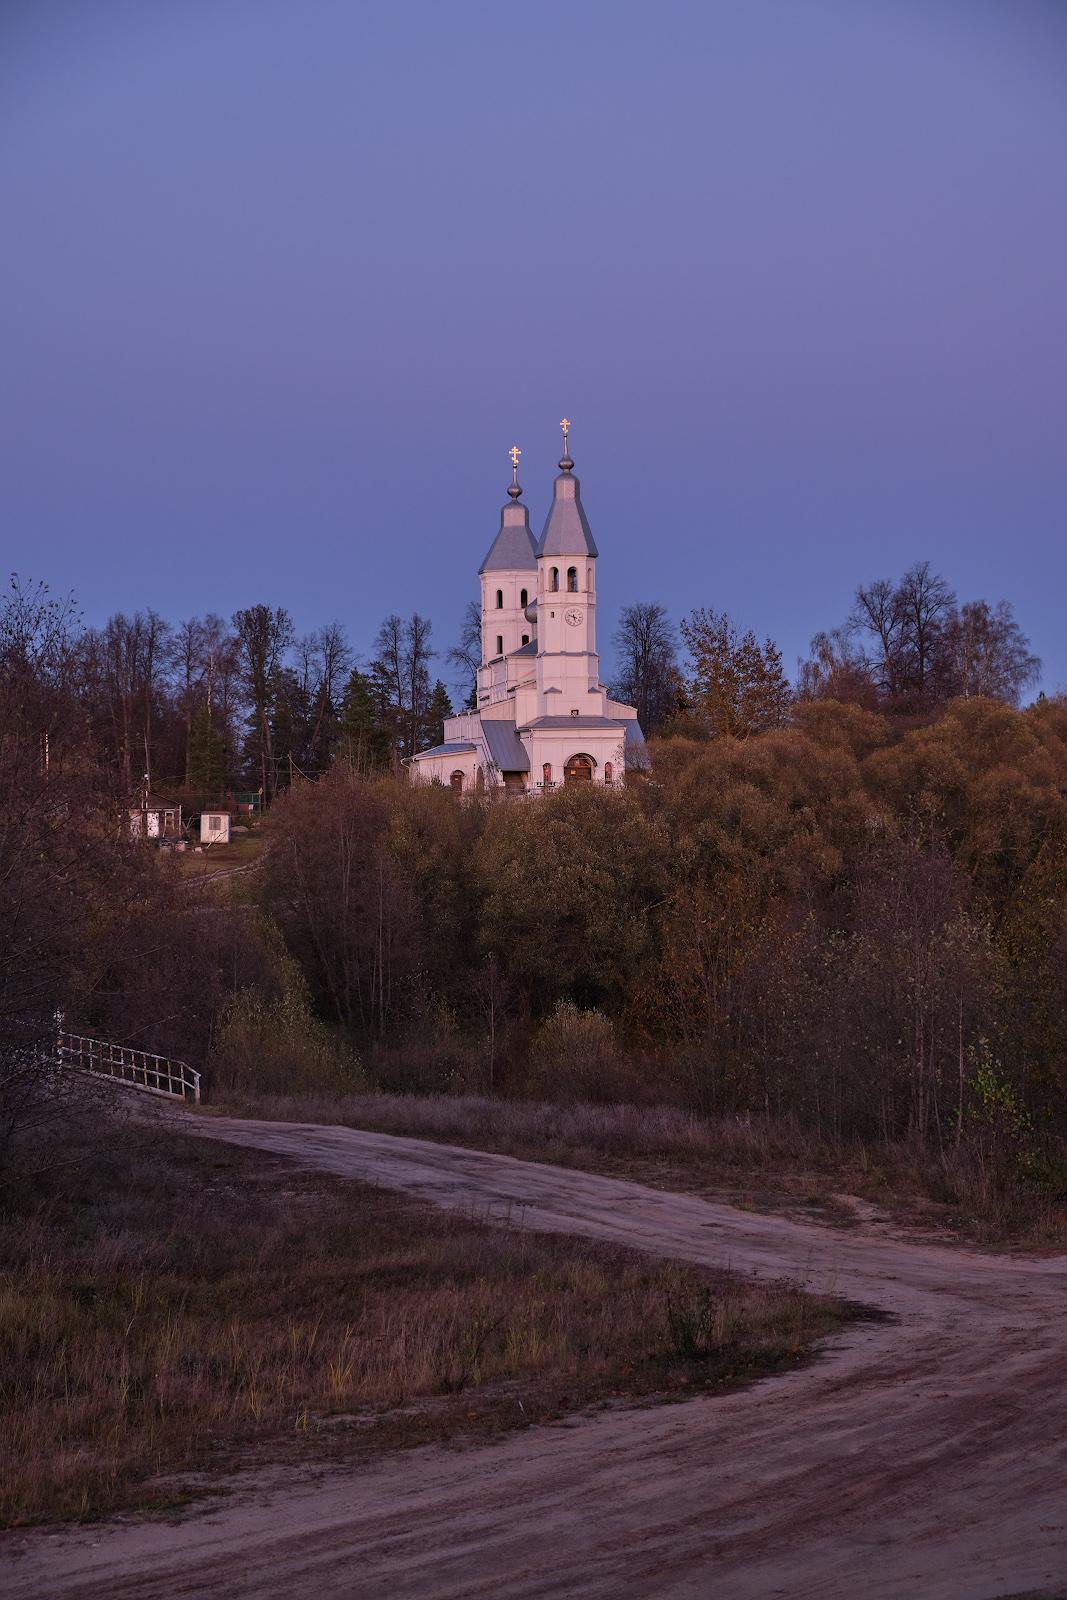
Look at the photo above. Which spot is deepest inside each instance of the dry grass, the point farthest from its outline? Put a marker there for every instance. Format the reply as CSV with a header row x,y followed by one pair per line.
x,y
244,847
169,1304
747,1161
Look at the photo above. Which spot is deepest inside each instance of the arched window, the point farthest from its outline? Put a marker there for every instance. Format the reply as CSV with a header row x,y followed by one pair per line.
x,y
526,638
553,579
456,782
479,782
607,772
500,599
524,599
589,577
579,769
572,580
546,774
500,644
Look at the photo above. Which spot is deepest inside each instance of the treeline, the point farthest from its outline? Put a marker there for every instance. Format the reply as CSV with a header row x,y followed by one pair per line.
x,y
207,706
907,648
855,918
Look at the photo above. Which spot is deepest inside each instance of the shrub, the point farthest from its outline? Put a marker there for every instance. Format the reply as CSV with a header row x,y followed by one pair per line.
x,y
574,1055
433,1057
273,1046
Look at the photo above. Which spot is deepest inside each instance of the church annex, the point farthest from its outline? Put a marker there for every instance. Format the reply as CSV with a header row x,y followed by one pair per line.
x,y
544,717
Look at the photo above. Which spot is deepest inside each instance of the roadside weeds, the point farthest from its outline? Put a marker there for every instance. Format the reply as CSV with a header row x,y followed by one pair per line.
x,y
172,1306
755,1164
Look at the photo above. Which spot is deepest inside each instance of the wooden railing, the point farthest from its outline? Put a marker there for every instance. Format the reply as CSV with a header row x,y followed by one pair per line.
x,y
137,1068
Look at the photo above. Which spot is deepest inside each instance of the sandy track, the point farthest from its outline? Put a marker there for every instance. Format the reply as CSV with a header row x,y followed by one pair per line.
x,y
924,1458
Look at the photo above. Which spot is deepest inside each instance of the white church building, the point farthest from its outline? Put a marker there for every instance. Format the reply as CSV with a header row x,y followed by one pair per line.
x,y
544,718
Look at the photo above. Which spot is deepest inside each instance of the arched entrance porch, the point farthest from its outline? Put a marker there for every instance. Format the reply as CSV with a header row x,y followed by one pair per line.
x,y
579,769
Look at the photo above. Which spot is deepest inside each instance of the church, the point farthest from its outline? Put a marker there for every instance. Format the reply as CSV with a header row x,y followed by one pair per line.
x,y
543,718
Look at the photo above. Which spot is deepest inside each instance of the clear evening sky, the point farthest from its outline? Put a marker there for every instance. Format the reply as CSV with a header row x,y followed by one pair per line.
x,y
284,279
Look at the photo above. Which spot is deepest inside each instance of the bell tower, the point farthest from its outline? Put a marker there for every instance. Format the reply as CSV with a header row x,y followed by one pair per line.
x,y
566,593
508,578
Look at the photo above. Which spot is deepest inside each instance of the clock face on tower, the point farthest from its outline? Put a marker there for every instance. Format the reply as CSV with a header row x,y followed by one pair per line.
x,y
573,618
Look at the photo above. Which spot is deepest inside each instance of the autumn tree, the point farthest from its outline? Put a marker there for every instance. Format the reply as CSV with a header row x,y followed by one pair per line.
x,y
42,704
586,931
837,669
187,656
923,601
67,863
876,620
326,658
333,886
222,686
647,674
917,648
899,626
401,674
984,652
203,662
466,655
124,667
737,685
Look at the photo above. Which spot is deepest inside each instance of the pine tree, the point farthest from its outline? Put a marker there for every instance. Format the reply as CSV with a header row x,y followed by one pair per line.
x,y
364,741
439,707
207,755
263,639
289,725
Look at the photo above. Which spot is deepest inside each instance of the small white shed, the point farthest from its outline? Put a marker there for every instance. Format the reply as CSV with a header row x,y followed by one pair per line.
x,y
214,827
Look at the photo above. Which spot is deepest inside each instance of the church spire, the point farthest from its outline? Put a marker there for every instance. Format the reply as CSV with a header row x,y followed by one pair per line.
x,y
565,462
514,548
567,531
514,488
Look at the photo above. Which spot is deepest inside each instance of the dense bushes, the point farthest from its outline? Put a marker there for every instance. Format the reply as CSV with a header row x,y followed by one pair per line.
x,y
277,1047
574,1056
837,922
856,923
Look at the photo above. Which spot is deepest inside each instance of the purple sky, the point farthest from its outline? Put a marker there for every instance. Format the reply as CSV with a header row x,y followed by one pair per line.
x,y
282,283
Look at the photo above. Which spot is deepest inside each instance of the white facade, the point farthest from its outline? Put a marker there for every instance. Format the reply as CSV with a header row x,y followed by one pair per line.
x,y
544,717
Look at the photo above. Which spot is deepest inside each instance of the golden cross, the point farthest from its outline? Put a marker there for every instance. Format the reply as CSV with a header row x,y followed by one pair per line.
x,y
515,453
565,425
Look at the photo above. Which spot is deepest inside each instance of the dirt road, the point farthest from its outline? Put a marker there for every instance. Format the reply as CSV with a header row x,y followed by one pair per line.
x,y
923,1458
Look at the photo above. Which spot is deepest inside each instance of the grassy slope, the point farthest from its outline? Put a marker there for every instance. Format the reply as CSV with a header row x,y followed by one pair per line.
x,y
169,1304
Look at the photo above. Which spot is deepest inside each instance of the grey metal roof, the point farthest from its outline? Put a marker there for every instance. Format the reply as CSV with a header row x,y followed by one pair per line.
x,y
574,722
506,748
455,747
635,739
155,802
513,549
526,649
566,531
